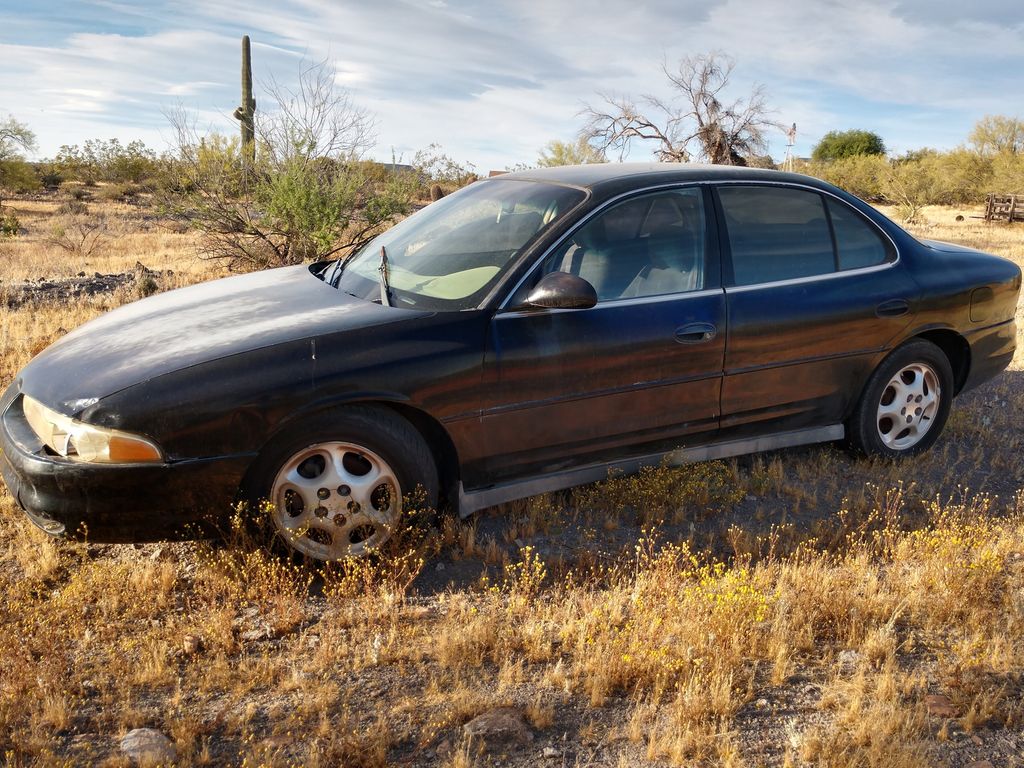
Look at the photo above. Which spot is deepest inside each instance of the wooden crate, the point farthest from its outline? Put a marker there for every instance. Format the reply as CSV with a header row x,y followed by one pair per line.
x,y
1004,208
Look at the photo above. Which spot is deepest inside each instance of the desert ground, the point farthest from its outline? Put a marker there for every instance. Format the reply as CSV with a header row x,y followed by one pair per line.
x,y
795,608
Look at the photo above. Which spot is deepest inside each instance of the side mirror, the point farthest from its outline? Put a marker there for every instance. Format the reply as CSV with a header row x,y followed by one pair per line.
x,y
560,290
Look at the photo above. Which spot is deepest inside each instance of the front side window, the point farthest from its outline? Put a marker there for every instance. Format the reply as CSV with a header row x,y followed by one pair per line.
x,y
450,254
650,245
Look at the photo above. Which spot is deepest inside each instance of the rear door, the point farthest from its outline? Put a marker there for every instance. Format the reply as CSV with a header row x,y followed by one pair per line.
x,y
640,370
815,295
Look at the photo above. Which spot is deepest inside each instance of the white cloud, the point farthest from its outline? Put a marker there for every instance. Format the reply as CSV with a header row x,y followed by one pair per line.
x,y
494,81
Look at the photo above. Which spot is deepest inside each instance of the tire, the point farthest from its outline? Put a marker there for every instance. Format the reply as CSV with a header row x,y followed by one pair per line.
x,y
905,403
336,484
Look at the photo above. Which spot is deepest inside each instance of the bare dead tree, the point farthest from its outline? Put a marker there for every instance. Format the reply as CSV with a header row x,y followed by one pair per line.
x,y
313,120
619,122
80,235
696,122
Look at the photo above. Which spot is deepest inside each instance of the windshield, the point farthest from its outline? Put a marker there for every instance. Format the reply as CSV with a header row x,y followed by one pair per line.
x,y
447,256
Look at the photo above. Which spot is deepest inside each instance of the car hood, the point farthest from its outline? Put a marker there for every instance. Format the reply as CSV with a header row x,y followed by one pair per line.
x,y
182,328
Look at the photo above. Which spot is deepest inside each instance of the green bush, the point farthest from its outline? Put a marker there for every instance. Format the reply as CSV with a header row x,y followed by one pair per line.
x,y
861,176
120,193
924,177
97,160
837,145
18,176
1007,174
294,209
51,178
10,226
146,286
73,208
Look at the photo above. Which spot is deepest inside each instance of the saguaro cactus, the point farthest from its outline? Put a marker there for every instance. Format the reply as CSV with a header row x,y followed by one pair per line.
x,y
246,113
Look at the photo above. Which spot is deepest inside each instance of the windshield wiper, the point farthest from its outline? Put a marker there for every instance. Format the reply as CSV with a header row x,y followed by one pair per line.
x,y
335,268
385,284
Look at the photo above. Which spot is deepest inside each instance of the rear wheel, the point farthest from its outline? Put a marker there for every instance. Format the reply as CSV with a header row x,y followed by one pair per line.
x,y
905,404
337,486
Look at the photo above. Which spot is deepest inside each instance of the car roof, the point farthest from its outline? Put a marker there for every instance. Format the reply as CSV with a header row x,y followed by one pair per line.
x,y
607,177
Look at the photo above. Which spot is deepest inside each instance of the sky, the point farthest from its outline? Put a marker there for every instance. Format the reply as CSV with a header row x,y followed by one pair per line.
x,y
493,81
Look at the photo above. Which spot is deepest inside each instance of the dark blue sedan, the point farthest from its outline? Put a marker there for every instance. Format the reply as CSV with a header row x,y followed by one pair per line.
x,y
522,335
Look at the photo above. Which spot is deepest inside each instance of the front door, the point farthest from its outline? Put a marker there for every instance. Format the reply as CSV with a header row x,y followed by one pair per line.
x,y
639,371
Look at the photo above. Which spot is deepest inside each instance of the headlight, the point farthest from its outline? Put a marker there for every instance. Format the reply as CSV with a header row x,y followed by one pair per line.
x,y
85,442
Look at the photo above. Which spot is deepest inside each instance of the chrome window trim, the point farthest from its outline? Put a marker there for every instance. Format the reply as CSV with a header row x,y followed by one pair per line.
x,y
503,307
582,223
809,278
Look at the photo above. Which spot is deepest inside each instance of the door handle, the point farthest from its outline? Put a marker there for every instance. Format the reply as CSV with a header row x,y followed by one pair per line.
x,y
696,333
892,308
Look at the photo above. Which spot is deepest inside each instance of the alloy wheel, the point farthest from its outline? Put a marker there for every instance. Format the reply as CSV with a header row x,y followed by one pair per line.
x,y
335,500
908,406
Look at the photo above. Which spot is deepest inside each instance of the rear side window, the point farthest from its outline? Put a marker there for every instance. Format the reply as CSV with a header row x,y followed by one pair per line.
x,y
859,244
776,233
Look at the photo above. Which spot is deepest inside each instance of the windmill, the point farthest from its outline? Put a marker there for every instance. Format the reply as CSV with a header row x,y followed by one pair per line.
x,y
787,164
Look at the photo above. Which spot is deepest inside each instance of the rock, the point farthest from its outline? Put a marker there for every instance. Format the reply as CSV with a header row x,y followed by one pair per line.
x,y
977,740
848,659
939,704
761,703
260,633
440,567
63,289
550,753
191,644
147,746
500,727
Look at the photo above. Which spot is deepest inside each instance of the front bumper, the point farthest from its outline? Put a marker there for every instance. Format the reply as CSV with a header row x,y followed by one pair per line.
x,y
115,502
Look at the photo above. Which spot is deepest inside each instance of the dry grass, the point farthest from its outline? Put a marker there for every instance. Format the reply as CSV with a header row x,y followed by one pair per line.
x,y
787,609
133,234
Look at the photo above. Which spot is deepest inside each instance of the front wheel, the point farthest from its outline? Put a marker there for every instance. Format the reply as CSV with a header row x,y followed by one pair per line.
x,y
905,404
336,487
